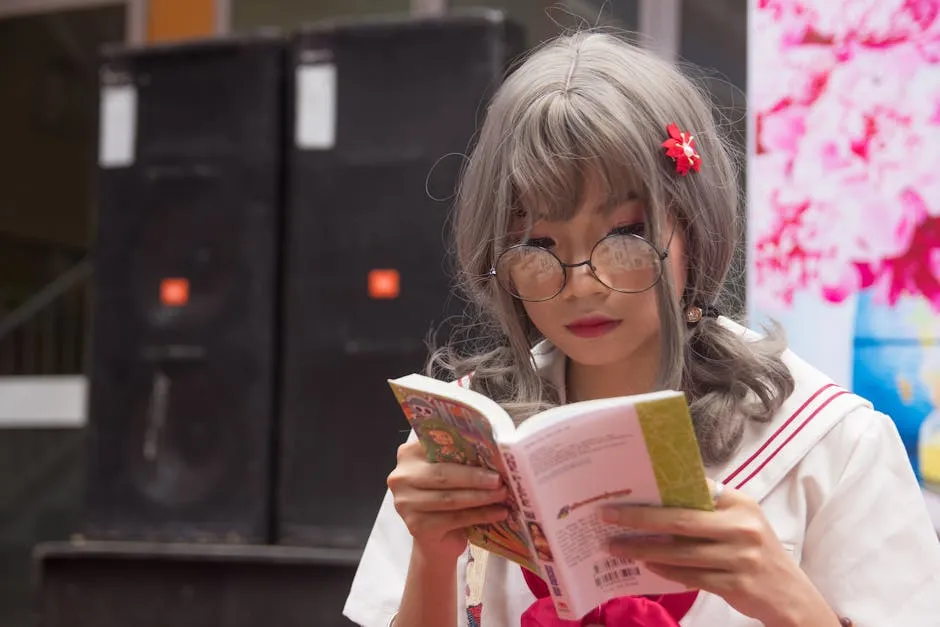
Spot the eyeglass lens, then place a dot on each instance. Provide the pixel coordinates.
(624, 263)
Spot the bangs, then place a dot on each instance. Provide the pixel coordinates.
(563, 143)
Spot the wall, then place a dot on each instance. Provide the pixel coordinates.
(713, 37)
(48, 126)
(48, 91)
(248, 15)
(541, 18)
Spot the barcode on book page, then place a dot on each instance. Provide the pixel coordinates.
(613, 569)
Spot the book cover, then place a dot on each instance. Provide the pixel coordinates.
(454, 432)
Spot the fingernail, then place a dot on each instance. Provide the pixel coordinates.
(492, 480)
(609, 514)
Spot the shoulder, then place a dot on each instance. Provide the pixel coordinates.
(848, 420)
(810, 418)
(864, 440)
(861, 429)
(866, 515)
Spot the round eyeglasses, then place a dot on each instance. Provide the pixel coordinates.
(623, 262)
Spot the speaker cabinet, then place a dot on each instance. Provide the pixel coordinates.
(385, 111)
(183, 367)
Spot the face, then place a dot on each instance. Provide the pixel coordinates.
(591, 323)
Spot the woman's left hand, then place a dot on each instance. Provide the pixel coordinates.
(731, 552)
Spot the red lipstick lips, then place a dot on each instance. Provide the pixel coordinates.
(592, 326)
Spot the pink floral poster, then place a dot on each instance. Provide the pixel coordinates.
(844, 193)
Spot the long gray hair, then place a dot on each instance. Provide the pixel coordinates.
(590, 103)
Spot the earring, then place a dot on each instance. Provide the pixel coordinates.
(693, 314)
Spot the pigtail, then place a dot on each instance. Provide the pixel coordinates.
(731, 380)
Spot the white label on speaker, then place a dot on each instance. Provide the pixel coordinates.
(118, 126)
(316, 106)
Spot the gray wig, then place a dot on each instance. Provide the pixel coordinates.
(592, 103)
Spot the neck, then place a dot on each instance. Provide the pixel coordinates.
(635, 375)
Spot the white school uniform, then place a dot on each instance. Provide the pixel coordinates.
(832, 478)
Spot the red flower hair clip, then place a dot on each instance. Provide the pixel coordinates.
(680, 147)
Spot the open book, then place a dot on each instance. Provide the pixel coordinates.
(562, 466)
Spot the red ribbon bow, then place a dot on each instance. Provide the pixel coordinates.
(662, 611)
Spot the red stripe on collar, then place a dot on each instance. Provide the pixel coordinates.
(776, 433)
(791, 436)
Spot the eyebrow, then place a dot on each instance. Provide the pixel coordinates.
(615, 202)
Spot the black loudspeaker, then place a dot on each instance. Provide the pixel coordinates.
(384, 112)
(183, 366)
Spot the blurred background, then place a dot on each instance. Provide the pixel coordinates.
(214, 225)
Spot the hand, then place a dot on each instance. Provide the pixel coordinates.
(438, 501)
(731, 552)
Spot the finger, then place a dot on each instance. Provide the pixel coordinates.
(449, 521)
(669, 520)
(727, 496)
(411, 448)
(677, 552)
(716, 582)
(451, 500)
(450, 476)
(715, 489)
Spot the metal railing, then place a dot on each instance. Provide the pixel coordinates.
(40, 469)
(31, 460)
(46, 335)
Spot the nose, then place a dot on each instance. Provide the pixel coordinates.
(581, 282)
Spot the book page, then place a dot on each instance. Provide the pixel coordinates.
(604, 458)
(456, 433)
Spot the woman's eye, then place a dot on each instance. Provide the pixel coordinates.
(541, 242)
(638, 229)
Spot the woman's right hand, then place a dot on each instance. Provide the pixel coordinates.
(438, 501)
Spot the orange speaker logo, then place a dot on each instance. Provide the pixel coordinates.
(174, 292)
(384, 284)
